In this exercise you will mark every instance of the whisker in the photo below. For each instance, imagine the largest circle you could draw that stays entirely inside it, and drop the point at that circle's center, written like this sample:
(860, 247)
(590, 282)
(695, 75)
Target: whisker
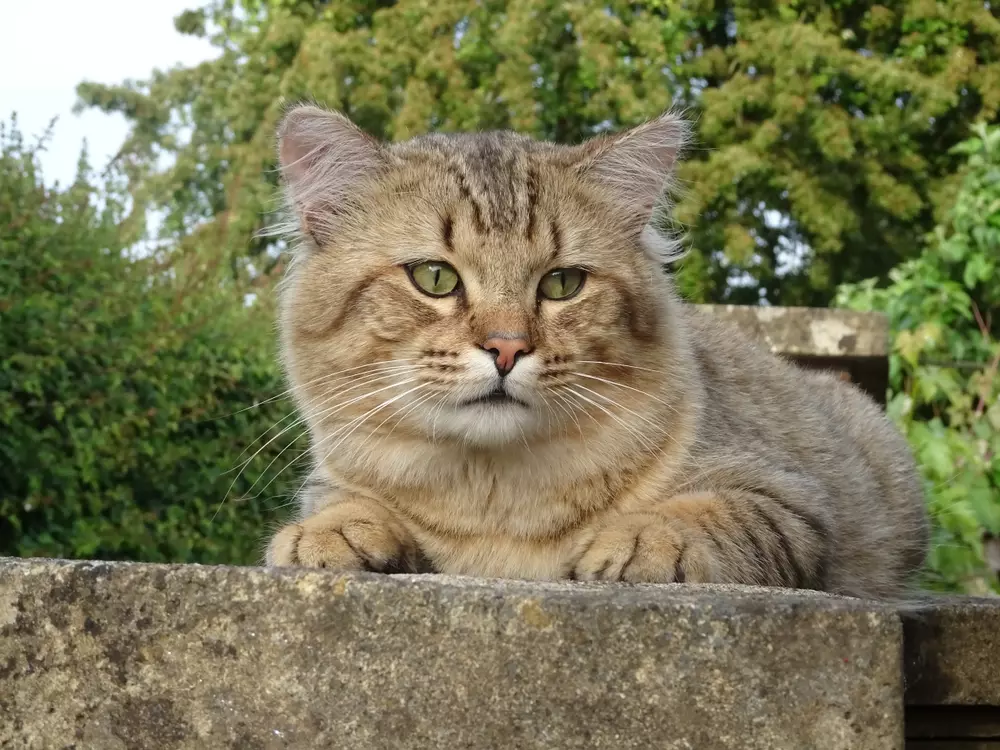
(619, 364)
(549, 412)
(624, 408)
(298, 386)
(628, 428)
(400, 416)
(524, 439)
(340, 407)
(332, 410)
(594, 419)
(383, 373)
(313, 414)
(356, 422)
(440, 408)
(628, 387)
(561, 402)
(568, 407)
(423, 399)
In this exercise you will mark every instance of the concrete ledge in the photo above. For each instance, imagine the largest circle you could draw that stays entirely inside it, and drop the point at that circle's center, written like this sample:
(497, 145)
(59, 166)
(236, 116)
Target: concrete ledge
(953, 652)
(853, 343)
(811, 331)
(952, 674)
(126, 656)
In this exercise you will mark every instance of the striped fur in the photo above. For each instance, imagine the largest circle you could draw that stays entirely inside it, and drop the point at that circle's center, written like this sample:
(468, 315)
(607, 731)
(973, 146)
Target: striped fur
(652, 443)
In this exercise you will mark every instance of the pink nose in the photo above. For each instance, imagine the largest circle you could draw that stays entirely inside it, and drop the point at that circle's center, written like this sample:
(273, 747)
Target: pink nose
(506, 350)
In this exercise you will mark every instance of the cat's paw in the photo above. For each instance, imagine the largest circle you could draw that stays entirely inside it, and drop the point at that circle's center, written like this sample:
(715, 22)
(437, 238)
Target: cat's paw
(346, 536)
(644, 548)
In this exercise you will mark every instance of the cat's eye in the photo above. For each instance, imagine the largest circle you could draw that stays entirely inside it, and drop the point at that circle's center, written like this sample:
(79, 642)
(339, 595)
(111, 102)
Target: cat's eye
(434, 278)
(562, 283)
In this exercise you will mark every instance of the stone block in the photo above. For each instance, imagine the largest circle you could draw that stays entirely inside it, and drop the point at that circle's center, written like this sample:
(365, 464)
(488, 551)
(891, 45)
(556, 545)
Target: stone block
(855, 344)
(953, 652)
(123, 656)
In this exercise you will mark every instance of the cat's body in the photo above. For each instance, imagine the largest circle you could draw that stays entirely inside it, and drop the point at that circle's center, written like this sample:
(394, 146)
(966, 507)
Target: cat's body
(618, 435)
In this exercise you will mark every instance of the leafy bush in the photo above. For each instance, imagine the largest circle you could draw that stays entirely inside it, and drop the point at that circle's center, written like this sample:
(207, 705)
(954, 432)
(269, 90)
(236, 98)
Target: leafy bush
(944, 308)
(117, 373)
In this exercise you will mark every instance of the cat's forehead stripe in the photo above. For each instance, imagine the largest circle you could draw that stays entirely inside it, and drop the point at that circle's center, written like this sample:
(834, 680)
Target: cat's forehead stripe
(494, 175)
(466, 193)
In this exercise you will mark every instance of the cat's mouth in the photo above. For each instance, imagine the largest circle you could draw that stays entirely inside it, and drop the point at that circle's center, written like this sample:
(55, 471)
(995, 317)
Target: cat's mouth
(497, 397)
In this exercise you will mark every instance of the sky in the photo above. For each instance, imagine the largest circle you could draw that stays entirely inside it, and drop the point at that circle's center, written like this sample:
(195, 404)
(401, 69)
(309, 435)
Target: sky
(47, 48)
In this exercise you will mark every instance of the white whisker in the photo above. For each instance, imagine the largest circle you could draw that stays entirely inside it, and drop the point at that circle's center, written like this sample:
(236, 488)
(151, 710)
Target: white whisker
(383, 373)
(567, 396)
(313, 414)
(437, 414)
(624, 408)
(300, 386)
(619, 364)
(332, 410)
(356, 422)
(400, 416)
(561, 402)
(627, 387)
(628, 428)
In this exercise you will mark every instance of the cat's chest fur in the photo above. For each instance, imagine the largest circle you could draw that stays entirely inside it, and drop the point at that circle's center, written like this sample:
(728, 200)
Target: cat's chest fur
(493, 514)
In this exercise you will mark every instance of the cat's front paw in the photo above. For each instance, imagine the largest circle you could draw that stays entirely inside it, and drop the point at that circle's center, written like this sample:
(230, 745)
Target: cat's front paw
(644, 548)
(347, 536)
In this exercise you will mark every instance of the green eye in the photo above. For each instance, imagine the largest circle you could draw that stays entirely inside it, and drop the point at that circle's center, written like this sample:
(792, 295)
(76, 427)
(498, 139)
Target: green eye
(434, 278)
(562, 283)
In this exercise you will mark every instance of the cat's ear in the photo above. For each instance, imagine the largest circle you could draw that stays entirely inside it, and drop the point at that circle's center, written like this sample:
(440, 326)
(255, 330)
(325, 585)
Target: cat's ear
(635, 168)
(324, 158)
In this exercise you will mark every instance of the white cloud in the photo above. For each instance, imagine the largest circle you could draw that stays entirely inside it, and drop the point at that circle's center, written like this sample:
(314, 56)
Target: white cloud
(46, 49)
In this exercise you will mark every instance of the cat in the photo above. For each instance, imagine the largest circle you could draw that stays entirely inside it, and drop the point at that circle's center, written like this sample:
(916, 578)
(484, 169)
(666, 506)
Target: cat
(499, 380)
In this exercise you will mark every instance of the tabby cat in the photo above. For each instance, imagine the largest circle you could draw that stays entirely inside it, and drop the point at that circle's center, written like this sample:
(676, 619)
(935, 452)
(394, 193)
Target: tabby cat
(499, 380)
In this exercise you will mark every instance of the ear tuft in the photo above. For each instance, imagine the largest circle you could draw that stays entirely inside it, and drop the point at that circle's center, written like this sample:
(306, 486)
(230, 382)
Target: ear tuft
(636, 167)
(324, 158)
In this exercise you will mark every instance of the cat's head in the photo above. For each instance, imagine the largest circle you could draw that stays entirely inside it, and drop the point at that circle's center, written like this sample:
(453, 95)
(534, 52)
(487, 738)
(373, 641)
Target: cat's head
(485, 288)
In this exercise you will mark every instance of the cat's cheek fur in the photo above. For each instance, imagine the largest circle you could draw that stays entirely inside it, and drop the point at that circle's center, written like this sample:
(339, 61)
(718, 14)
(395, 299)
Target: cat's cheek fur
(615, 317)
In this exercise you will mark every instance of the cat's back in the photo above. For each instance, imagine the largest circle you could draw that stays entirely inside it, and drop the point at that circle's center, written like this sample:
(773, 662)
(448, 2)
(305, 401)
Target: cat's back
(753, 393)
(760, 409)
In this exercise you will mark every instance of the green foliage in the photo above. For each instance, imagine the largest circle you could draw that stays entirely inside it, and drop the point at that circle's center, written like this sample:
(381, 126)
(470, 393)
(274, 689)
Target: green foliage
(945, 389)
(117, 373)
(822, 127)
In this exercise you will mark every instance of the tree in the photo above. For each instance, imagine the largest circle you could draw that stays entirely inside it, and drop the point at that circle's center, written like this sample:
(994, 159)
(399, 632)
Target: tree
(822, 153)
(944, 307)
(127, 385)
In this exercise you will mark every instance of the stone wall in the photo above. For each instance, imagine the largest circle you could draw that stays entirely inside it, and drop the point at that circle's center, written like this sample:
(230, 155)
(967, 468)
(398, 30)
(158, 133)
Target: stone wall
(855, 344)
(131, 656)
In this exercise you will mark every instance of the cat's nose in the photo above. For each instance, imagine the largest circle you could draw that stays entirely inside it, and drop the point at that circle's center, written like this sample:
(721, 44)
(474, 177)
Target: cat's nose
(506, 350)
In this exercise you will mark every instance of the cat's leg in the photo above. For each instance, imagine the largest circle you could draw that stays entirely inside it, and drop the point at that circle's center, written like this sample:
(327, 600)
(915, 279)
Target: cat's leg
(353, 533)
(717, 536)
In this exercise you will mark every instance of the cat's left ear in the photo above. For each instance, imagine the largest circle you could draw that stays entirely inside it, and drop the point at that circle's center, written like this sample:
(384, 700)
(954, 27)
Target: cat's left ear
(635, 168)
(324, 159)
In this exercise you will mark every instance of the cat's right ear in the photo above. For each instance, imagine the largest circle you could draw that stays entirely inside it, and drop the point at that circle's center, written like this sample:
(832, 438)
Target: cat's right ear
(324, 159)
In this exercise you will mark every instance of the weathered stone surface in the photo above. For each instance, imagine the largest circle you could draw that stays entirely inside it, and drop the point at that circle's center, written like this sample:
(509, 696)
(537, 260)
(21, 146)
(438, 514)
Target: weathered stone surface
(811, 331)
(855, 344)
(124, 656)
(952, 654)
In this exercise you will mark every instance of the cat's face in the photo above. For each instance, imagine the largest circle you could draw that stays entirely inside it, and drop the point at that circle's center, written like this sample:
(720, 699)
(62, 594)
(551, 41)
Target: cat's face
(484, 289)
